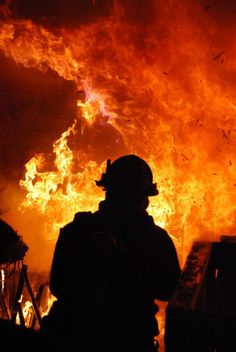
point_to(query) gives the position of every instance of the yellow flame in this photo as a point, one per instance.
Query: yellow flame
(163, 88)
(61, 193)
(2, 280)
(179, 117)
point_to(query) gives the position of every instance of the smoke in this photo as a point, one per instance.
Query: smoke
(58, 13)
(173, 45)
(36, 108)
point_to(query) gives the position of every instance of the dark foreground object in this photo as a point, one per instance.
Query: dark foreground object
(13, 336)
(201, 315)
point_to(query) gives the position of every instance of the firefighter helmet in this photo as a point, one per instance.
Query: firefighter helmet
(128, 173)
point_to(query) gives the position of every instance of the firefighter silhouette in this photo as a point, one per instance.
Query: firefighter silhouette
(109, 267)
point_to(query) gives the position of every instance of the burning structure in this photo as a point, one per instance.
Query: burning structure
(84, 81)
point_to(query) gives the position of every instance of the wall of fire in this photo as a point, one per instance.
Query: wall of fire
(83, 81)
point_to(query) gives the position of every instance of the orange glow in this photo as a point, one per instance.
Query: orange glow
(168, 88)
(61, 193)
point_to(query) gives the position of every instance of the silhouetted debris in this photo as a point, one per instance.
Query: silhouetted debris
(12, 247)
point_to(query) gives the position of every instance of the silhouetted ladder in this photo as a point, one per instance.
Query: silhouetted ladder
(17, 308)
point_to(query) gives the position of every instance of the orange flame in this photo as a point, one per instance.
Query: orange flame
(167, 92)
(34, 46)
(60, 192)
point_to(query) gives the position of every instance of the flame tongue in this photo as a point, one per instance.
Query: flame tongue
(61, 192)
(34, 46)
(168, 91)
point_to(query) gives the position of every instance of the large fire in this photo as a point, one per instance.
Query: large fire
(168, 92)
(166, 85)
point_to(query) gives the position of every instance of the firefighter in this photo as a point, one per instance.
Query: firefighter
(110, 266)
